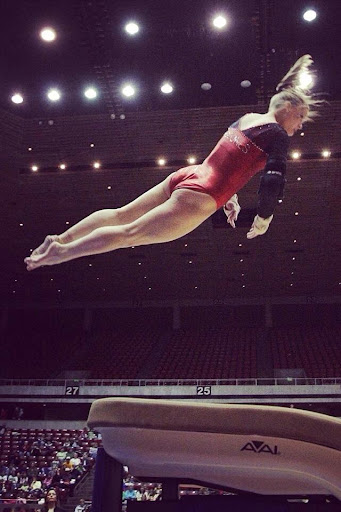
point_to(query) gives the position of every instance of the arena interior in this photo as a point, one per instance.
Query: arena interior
(210, 319)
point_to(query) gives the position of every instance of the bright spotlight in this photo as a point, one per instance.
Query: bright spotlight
(295, 155)
(306, 80)
(48, 34)
(34, 168)
(90, 93)
(309, 15)
(132, 28)
(17, 98)
(220, 22)
(191, 159)
(161, 161)
(166, 88)
(54, 95)
(128, 90)
(326, 153)
(96, 165)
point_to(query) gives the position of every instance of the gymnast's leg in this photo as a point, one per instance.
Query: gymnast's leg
(111, 217)
(174, 218)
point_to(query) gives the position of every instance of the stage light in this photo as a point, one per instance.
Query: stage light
(295, 155)
(96, 165)
(34, 168)
(220, 22)
(306, 80)
(128, 90)
(132, 28)
(161, 161)
(326, 153)
(90, 93)
(166, 88)
(48, 34)
(191, 160)
(309, 15)
(62, 166)
(17, 98)
(54, 95)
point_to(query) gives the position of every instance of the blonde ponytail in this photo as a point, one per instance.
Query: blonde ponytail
(290, 89)
(292, 78)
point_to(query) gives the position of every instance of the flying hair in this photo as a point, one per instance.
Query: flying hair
(290, 89)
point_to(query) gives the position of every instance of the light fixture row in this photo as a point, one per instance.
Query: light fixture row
(91, 93)
(97, 165)
(219, 21)
(296, 155)
(190, 160)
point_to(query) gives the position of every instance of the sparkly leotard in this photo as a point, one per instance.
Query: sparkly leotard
(237, 157)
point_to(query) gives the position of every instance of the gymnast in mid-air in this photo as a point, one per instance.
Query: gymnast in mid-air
(189, 196)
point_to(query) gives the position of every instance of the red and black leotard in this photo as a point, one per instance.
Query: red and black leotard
(237, 157)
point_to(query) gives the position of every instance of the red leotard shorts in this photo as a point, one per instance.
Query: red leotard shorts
(229, 166)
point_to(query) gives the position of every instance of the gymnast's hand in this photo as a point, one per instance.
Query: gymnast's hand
(231, 210)
(259, 226)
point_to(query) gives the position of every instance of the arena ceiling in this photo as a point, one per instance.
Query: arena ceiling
(177, 42)
(298, 260)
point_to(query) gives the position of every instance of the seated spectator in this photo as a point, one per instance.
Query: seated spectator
(48, 479)
(61, 454)
(81, 507)
(75, 460)
(93, 451)
(67, 464)
(35, 450)
(35, 485)
(33, 470)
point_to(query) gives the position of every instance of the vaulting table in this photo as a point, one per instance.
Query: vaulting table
(267, 450)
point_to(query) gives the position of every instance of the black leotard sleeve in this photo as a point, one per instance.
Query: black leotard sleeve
(273, 178)
(274, 140)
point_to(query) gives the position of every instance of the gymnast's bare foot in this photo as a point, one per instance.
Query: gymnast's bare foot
(52, 256)
(47, 242)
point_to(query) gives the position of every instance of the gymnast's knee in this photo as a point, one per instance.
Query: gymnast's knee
(131, 235)
(110, 216)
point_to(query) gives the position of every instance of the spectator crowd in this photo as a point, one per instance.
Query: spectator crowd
(33, 461)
